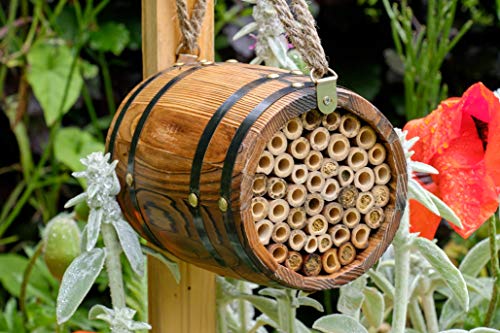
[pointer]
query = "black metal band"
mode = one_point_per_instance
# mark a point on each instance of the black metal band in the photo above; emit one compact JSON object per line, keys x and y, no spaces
{"x":227,"y":171}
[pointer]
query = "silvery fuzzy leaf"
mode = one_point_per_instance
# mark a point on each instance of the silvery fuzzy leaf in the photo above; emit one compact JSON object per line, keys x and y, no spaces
{"x":279,"y":51}
{"x":422,"y":167}
{"x":272,"y":292}
{"x":442,"y":264}
{"x":351,"y":297}
{"x":84,"y":239}
{"x":94,"y":227}
{"x":138,"y":325}
{"x":382,"y":282}
{"x":99,"y":311}
{"x":339,"y":324}
{"x":76,"y":200}
{"x":256,"y":61}
{"x":77,"y":281}
{"x":308,"y":301}
{"x":247,"y":29}
{"x":172,"y":266}
{"x":454,"y":331}
{"x":92,"y":190}
{"x":300,"y":327}
{"x":477,"y":257}
{"x":373,"y":306}
{"x":444,"y":211}
{"x":267,"y":306}
{"x":411,"y":330}
{"x":417,"y":192}
{"x":130,"y":245}
{"x":484,"y":330}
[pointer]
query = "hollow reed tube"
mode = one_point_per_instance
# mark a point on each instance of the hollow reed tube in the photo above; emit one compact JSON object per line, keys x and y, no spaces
{"x":365,"y":202}
{"x":278,"y":210}
{"x":346,"y":253}
{"x":293,"y":129}
{"x":382,"y":174}
{"x":317,"y":225}
{"x":340,"y":234}
{"x":294,"y":261}
{"x":264,"y":230}
{"x":281,"y":232}
{"x":331,"y":121}
{"x":314,"y":204}
{"x":360,"y":236}
{"x":366,"y":137}
{"x":277,"y":144}
{"x":312,"y":265}
{"x":283,"y":165}
{"x":297,"y":218}
{"x":351,"y":217}
{"x":364,"y":179}
{"x":377,"y":154}
{"x":346,"y":175}
{"x":266,"y":163}
{"x":299,"y":174}
{"x":313,"y":160}
{"x":330,"y":261}
{"x":324,"y":243}
{"x":311,"y":244}
{"x":319,"y":138}
{"x":299,"y":148}
{"x":349,"y":125}
{"x":259,"y":185}
{"x":381,"y":194}
{"x":374,"y":217}
{"x":338,"y":147}
{"x":276,"y":187}
{"x":279,"y":252}
{"x":260,"y":208}
{"x":311,"y":119}
{"x":331,"y":189}
{"x":296,"y":195}
{"x":333,"y":212}
{"x":297,"y":239}
{"x":315,"y":182}
{"x":357,"y":158}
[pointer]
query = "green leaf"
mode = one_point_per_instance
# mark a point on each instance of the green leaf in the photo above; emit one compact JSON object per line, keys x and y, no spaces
{"x":308,"y":301}
{"x":373,"y":306}
{"x":172,"y":266}
{"x":477,"y":258}
{"x":130,"y":245}
{"x":50,"y":66}
{"x":417,"y":192}
{"x":444,"y":211}
{"x":338,"y":323}
{"x":88,"y":70}
{"x":422,"y":167}
{"x":351,"y":297}
{"x":442,"y":264}
{"x":77,"y":281}
{"x":111,"y":36}
{"x":72,"y":144}
{"x":247,"y":29}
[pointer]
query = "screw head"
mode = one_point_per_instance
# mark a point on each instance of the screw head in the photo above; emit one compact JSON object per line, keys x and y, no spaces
{"x":232,"y":61}
{"x":193,"y":199}
{"x":327,"y":100}
{"x":178,"y":64}
{"x":297,"y":85}
{"x":206,"y":63}
{"x":223,"y":205}
{"x":296,"y":72}
{"x":273,"y":76}
{"x":129,"y":179}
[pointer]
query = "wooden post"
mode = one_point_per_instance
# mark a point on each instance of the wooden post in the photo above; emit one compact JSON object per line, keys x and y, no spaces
{"x":188,"y":307}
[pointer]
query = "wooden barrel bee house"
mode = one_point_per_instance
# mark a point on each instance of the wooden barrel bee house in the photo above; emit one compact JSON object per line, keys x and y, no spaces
{"x":229,"y":167}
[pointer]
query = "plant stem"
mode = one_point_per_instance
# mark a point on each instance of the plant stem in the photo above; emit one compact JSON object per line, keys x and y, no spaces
{"x":92,"y":113}
{"x":416,"y":317}
{"x":402,"y":273}
{"x":242,"y":308}
{"x":327,"y":301}
{"x":495,"y":270}
{"x":221,"y":318}
{"x":26,"y":277}
{"x":430,"y":311}
{"x":108,"y":88}
{"x":113,"y":265}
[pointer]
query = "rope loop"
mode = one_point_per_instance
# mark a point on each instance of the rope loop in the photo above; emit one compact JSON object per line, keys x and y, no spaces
{"x":190,"y":27}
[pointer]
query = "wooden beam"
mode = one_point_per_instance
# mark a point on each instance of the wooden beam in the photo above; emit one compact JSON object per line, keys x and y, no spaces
{"x":189,"y":306}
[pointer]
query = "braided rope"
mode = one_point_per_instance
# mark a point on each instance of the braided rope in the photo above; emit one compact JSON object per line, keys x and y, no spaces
{"x":191,"y":27}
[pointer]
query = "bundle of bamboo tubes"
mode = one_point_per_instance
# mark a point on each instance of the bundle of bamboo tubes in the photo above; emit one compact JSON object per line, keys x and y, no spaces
{"x":320,"y":191}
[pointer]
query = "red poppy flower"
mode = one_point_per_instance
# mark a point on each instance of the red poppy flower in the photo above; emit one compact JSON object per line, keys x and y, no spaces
{"x":460,"y":139}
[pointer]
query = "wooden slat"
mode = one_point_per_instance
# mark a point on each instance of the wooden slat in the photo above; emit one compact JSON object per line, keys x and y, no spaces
{"x":189,"y":306}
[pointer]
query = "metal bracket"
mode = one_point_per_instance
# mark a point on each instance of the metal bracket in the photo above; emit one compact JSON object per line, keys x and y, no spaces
{"x":326,"y":92}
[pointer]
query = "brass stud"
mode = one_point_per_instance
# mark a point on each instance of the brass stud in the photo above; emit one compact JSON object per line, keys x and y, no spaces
{"x":223,"y":204}
{"x":202,"y":61}
{"x":178,"y":64}
{"x":327,"y":100}
{"x":296,"y":72}
{"x":193,"y":199}
{"x":273,"y":76}
{"x":297,"y":84}
{"x":232,"y":61}
{"x":129,"y":179}
{"x":206,"y":63}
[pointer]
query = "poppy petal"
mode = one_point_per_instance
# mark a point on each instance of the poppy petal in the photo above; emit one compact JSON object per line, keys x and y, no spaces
{"x":492,"y":157}
{"x":479,"y":102}
{"x":423,"y":220}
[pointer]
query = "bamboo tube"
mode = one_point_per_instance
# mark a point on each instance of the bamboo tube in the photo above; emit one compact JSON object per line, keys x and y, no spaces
{"x":293,"y":129}
{"x":366,"y":137}
{"x":294,"y":261}
{"x":315,"y":182}
{"x":296,"y":195}
{"x":276,"y":187}
{"x":278,"y":210}
{"x":277,"y":144}
{"x":333,"y":212}
{"x":264,"y":230}
{"x":349,"y":125}
{"x":357,"y":158}
{"x":374,"y":217}
{"x":299,"y":148}
{"x":346,"y":176}
{"x":329,"y":168}
{"x":317,"y":225}
{"x":314,"y":204}
{"x":283,"y":165}
{"x":330,"y":261}
{"x":382,"y":174}
{"x":260,"y":208}
{"x":348,"y":196}
{"x":381,"y":194}
{"x":338,"y":147}
{"x":331,"y":121}
{"x":360,"y":236}
{"x":266,"y":163}
{"x":259,"y":185}
{"x":331,"y":189}
{"x":313,"y":160}
{"x":340,"y":234}
{"x":377,"y":154}
{"x":278,"y":251}
{"x":312,"y":265}
{"x":351,"y":217}
{"x":319,"y":138}
{"x":297,"y":218}
{"x":299,"y":174}
{"x":347,"y":254}
{"x":311,"y":119}
{"x":365,"y":202}
{"x":297,"y":240}
{"x":324,"y":242}
{"x":281,"y":232}
{"x":311,"y":244}
{"x":364,"y":179}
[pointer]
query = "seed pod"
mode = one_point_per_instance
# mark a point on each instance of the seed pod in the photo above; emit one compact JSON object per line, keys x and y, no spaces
{"x":357,"y":158}
{"x":283,"y":165}
{"x":331,"y":190}
{"x":277,"y":144}
{"x":259,"y":185}
{"x":260,"y":208}
{"x":313,"y":160}
{"x":348,"y":196}
{"x":349,"y":125}
{"x":61,"y":244}
{"x":333,"y":212}
{"x":319,"y":138}
{"x":311,"y":119}
{"x":377,"y":154}
{"x":296,"y":195}
{"x":266,"y":163}
{"x":314,"y":204}
{"x":366,"y":138}
{"x":364,"y":179}
{"x":346,"y":176}
{"x":382,"y":174}
{"x":276,"y":187}
{"x":312,"y":265}
{"x":365,"y":202}
{"x":281,"y":232}
{"x":331,"y":121}
{"x":299,"y":148}
{"x":264,"y":230}
{"x":278,"y":210}
{"x":311,"y":244}
{"x":299,"y":174}
{"x":293,"y":129}
{"x":359,"y":236}
{"x":297,"y":240}
{"x":351,"y":218}
{"x":329,"y":168}
{"x":374,"y":217}
{"x":316,"y":225}
{"x":338,"y":147}
{"x":324,"y":242}
{"x":278,"y":251}
{"x":330,"y":261}
{"x":294,"y":261}
{"x":347,"y":254}
{"x":297,"y":218}
{"x":381,"y":194}
{"x":340,"y":234}
{"x":315,"y":182}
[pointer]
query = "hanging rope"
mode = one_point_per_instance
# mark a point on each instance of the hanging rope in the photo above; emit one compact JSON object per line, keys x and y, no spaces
{"x":190,"y":27}
{"x":301,"y":30}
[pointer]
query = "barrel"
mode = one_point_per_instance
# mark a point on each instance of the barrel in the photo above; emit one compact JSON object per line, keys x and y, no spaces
{"x":214,"y":171}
